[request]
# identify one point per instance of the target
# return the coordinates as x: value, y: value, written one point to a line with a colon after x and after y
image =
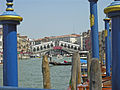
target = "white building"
x: 72, y: 38
x: 80, y: 42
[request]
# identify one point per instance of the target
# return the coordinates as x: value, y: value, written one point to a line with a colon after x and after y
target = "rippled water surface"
x: 30, y: 74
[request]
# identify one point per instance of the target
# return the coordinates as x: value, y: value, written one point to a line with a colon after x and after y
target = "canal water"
x: 30, y: 74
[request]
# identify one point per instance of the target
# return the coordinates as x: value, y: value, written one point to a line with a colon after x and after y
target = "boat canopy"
x: 83, y: 61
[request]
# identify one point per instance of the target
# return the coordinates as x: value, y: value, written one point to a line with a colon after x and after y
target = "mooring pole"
x: 9, y: 20
x: 75, y: 58
x: 94, y: 28
x: 46, y: 72
x: 110, y: 38
x: 113, y: 11
x: 95, y: 75
x: 107, y: 46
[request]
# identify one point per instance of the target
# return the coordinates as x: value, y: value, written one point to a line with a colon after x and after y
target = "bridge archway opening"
x: 68, y: 46
x: 41, y: 48
x: 57, y: 52
x: 65, y: 45
x: 38, y: 49
x: 75, y: 48
x: 61, y: 45
x: 51, y: 45
x: 48, y: 46
x: 34, y: 49
x: 44, y: 46
x: 72, y: 47
x: 79, y: 48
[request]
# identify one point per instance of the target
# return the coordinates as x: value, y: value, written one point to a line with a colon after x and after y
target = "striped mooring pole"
x: 94, y: 28
x: 107, y: 46
x: 113, y: 11
x: 10, y: 20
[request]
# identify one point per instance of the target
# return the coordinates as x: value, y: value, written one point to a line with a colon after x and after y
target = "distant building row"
x: 80, y: 39
x: 24, y: 44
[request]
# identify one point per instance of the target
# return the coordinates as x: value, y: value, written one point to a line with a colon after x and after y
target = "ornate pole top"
x: 92, y: 0
x: 107, y: 19
x: 113, y: 7
x: 10, y: 14
x: 9, y: 5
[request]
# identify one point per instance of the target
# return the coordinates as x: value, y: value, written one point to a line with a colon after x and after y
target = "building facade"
x: 23, y: 46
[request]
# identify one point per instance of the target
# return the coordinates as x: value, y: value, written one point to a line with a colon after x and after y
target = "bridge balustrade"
x: 50, y: 45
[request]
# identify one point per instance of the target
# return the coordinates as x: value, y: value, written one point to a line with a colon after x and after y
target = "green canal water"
x: 30, y: 74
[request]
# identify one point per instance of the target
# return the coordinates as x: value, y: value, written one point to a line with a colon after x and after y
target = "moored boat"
x: 85, y: 86
x: 59, y: 63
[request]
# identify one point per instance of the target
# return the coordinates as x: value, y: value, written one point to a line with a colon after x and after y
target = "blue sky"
x: 44, y: 18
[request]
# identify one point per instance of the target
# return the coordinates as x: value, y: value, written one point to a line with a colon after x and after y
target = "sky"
x: 44, y: 18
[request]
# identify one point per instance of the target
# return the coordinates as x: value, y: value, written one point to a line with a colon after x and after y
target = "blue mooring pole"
x: 113, y: 11
x: 107, y: 46
x: 9, y: 20
x: 110, y: 38
x: 94, y: 28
